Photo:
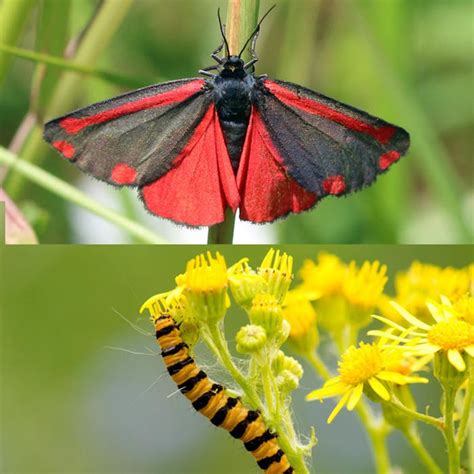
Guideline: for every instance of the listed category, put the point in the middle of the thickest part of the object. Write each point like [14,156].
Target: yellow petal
[326,392]
[332,381]
[421,362]
[387,335]
[436,312]
[470,350]
[339,406]
[399,379]
[422,349]
[355,396]
[456,360]
[394,325]
[409,317]
[379,388]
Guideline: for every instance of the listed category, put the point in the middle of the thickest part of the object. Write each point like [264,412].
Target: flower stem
[213,337]
[453,450]
[66,191]
[377,432]
[379,450]
[414,439]
[467,410]
[430,420]
[318,365]
[267,389]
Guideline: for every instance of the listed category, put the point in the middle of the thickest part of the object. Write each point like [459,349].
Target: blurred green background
[409,62]
[72,404]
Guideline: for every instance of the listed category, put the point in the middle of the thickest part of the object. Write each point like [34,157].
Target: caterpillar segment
[209,399]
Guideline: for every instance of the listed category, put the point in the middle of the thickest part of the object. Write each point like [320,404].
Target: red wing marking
[67,149]
[334,184]
[382,134]
[123,174]
[76,124]
[388,158]
[201,183]
[266,190]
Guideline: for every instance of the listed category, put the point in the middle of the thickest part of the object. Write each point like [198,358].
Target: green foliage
[404,61]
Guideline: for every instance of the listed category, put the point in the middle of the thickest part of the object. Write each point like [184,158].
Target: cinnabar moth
[196,146]
[209,399]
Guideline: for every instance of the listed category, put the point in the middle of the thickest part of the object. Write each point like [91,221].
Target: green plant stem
[241,21]
[68,89]
[414,439]
[377,431]
[73,66]
[13,15]
[429,420]
[379,450]
[318,365]
[466,410]
[222,233]
[453,450]
[68,192]
[268,389]
[433,160]
[213,337]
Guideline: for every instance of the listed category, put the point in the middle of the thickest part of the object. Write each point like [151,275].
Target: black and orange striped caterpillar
[209,399]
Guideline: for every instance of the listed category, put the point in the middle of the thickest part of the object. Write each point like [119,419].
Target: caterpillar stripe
[209,399]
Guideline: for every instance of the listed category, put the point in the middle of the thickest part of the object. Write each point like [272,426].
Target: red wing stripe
[201,183]
[76,124]
[267,192]
[382,134]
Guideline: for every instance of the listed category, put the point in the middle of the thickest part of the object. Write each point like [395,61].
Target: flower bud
[283,362]
[287,381]
[250,339]
[446,373]
[245,283]
[266,312]
[277,271]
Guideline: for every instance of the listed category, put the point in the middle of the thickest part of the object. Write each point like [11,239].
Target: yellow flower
[464,308]
[363,286]
[423,282]
[361,367]
[277,271]
[175,304]
[447,334]
[299,312]
[326,277]
[171,302]
[245,283]
[205,286]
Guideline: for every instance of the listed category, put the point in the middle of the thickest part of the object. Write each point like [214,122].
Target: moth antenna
[222,32]
[257,28]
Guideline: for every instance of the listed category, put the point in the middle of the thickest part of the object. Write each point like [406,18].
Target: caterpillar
[209,399]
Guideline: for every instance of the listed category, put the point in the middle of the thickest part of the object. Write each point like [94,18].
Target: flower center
[206,274]
[452,334]
[360,364]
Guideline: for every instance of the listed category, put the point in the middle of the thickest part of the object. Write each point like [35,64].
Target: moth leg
[252,52]
[204,71]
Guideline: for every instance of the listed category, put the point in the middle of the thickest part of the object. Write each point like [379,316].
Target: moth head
[233,63]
